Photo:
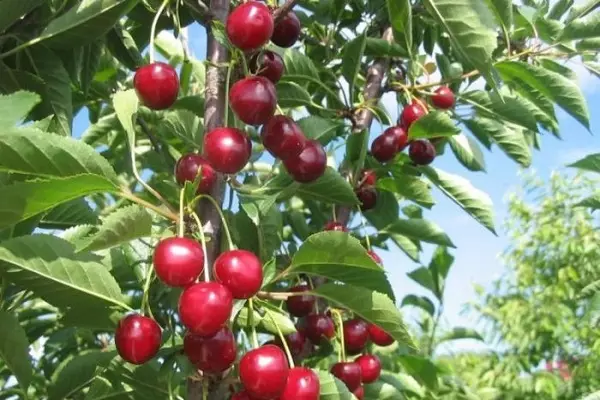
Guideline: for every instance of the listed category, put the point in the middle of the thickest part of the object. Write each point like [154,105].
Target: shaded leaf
[582,28]
[590,162]
[290,94]
[351,62]
[332,388]
[14,348]
[433,125]
[67,215]
[467,152]
[410,187]
[382,391]
[75,373]
[421,302]
[15,107]
[505,108]
[460,333]
[13,10]
[424,278]
[322,129]
[400,13]
[420,229]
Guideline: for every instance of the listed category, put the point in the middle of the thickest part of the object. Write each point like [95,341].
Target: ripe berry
[264,372]
[335,226]
[287,31]
[367,196]
[356,335]
[368,178]
[309,165]
[384,147]
[379,336]
[157,85]
[283,137]
[227,149]
[421,152]
[268,64]
[300,306]
[411,113]
[188,167]
[359,393]
[302,384]
[375,257]
[211,355]
[296,341]
[178,261]
[370,367]
[349,373]
[443,98]
[137,338]
[401,136]
[240,271]
[249,26]
[253,100]
[319,327]
[205,307]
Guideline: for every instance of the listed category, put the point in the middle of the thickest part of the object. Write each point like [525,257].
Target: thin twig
[282,11]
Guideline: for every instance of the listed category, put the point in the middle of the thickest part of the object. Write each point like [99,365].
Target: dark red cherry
[302,384]
[370,367]
[249,26]
[375,257]
[205,307]
[178,261]
[296,341]
[287,31]
[411,113]
[349,373]
[240,271]
[421,152]
[211,355]
[368,177]
[283,137]
[443,98]
[367,196]
[227,149]
[300,306]
[188,167]
[309,165]
[356,335]
[319,327]
[253,100]
[264,372]
[335,226]
[385,146]
[268,64]
[379,336]
[401,136]
[137,338]
[157,85]
[359,392]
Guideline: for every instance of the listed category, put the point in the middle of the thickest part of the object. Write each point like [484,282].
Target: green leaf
[423,369]
[126,104]
[339,256]
[351,62]
[559,9]
[14,348]
[290,94]
[592,202]
[582,10]
[97,319]
[322,129]
[330,188]
[373,307]
[467,152]
[400,13]
[377,47]
[68,215]
[559,89]
[403,382]
[410,187]
[503,11]
[590,162]
[298,64]
[460,333]
[421,302]
[50,268]
[123,47]
[424,278]
[475,202]
[582,28]
[419,229]
[382,391]
[279,319]
[13,10]
[15,107]
[332,388]
[433,125]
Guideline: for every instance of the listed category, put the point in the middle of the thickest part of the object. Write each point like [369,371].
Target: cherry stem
[227,84]
[203,242]
[181,226]
[363,222]
[340,323]
[204,388]
[132,197]
[221,215]
[145,302]
[153,28]
[251,322]
[288,353]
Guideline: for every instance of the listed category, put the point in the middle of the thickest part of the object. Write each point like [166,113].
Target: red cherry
[302,384]
[335,226]
[205,307]
[296,341]
[385,146]
[157,85]
[370,367]
[227,149]
[283,137]
[137,338]
[287,31]
[421,152]
[347,372]
[319,327]
[264,372]
[178,261]
[411,113]
[309,165]
[356,335]
[187,169]
[401,136]
[367,196]
[240,271]
[300,306]
[253,100]
[249,26]
[241,396]
[212,355]
[368,178]
[375,257]
[443,98]
[359,393]
[268,64]
[379,336]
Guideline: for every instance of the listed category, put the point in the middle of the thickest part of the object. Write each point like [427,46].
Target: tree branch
[283,10]
[199,11]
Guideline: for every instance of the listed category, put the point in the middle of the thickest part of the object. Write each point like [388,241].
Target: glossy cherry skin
[287,31]
[282,137]
[249,26]
[300,306]
[211,355]
[443,98]
[319,327]
[178,261]
[264,372]
[368,177]
[240,271]
[385,146]
[227,149]
[367,196]
[370,367]
[241,396]
[335,226]
[356,335]
[268,64]
[375,257]
[253,100]
[204,308]
[296,341]
[309,165]
[411,113]
[157,85]
[401,136]
[187,168]
[137,338]
[359,392]
[302,384]
[379,336]
[349,373]
[421,152]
